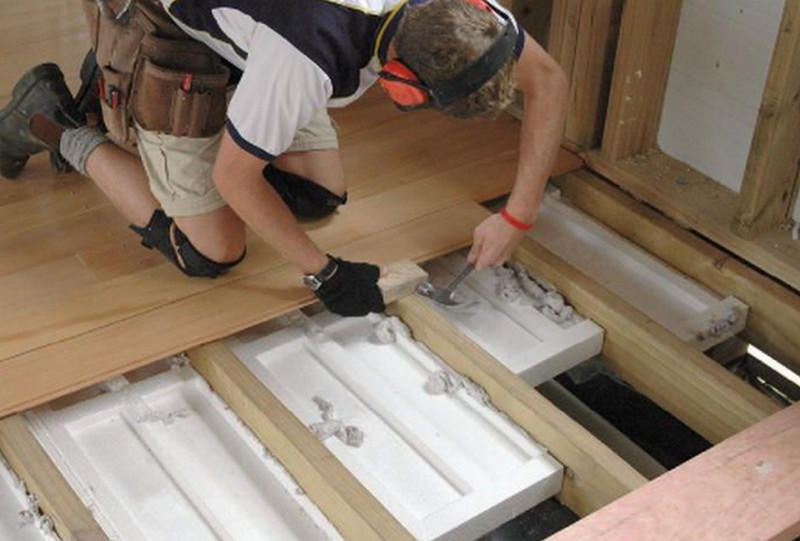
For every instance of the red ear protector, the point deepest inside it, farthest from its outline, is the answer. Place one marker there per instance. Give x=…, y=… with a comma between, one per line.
x=409, y=92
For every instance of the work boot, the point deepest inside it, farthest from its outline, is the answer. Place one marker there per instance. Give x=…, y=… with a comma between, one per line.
x=41, y=91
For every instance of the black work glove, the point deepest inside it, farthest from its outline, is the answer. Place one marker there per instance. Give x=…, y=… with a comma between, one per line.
x=352, y=290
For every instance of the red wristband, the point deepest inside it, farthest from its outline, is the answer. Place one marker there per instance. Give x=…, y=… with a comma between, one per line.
x=516, y=224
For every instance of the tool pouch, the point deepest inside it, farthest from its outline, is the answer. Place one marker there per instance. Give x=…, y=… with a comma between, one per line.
x=180, y=88
x=153, y=73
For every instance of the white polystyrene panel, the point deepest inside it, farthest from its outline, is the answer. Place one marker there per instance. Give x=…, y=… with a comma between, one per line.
x=516, y=334
x=447, y=466
x=660, y=292
x=164, y=459
x=18, y=522
x=716, y=83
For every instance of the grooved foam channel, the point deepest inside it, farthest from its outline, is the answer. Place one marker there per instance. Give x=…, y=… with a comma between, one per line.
x=163, y=459
x=446, y=465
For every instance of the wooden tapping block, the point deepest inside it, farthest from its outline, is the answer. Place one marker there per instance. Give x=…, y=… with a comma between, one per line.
x=344, y=501
x=743, y=488
x=71, y=519
x=400, y=279
x=595, y=475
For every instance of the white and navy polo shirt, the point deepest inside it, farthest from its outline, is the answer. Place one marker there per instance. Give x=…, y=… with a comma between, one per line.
x=297, y=56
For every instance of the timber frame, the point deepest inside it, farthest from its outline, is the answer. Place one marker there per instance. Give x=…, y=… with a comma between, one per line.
x=617, y=56
x=747, y=223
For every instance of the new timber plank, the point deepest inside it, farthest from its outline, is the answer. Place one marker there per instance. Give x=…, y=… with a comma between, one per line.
x=346, y=503
x=595, y=475
x=72, y=521
x=699, y=203
x=743, y=488
x=694, y=388
x=774, y=315
x=79, y=310
x=82, y=315
x=56, y=369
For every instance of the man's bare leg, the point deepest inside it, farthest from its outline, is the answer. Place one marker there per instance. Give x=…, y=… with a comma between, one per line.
x=122, y=179
x=219, y=235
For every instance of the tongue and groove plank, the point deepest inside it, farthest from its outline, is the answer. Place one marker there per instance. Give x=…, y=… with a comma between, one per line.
x=79, y=310
x=56, y=369
x=71, y=519
x=55, y=331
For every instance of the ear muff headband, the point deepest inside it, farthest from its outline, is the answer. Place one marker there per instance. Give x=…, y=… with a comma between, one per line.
x=476, y=74
x=409, y=92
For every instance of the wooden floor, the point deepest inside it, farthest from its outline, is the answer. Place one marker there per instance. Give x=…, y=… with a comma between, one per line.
x=80, y=301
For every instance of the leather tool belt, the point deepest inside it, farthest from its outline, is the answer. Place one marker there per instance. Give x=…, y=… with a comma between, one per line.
x=153, y=74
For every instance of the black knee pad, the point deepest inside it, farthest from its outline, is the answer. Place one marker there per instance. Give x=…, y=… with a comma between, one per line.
x=156, y=234
x=305, y=198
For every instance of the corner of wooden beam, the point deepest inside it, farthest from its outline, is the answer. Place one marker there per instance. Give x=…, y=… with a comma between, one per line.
x=595, y=475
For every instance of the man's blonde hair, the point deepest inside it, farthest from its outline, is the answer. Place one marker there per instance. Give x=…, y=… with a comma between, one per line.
x=438, y=39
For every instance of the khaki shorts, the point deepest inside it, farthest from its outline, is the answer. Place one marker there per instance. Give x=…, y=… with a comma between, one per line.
x=179, y=168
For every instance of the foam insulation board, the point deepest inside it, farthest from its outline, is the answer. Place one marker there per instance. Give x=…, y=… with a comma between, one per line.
x=692, y=313
x=424, y=441
x=716, y=83
x=536, y=341
x=20, y=519
x=165, y=459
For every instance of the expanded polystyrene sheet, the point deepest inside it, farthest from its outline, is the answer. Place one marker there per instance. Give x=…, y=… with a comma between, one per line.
x=691, y=312
x=511, y=329
x=447, y=466
x=164, y=459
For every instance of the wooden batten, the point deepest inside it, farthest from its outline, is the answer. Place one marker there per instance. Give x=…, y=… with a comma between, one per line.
x=644, y=53
x=744, y=488
x=71, y=519
x=774, y=315
x=339, y=495
x=771, y=179
x=583, y=39
x=595, y=475
x=705, y=396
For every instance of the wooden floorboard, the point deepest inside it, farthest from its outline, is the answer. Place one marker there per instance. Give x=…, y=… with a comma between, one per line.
x=81, y=301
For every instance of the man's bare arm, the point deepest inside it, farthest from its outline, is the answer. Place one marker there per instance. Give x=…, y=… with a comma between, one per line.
x=238, y=177
x=544, y=85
